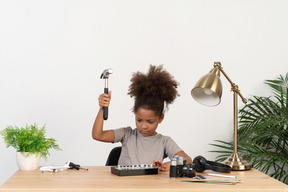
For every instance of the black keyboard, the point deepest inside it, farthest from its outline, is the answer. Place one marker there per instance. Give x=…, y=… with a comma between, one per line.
x=130, y=170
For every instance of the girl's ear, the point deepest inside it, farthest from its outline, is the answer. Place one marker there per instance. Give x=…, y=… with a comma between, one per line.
x=161, y=118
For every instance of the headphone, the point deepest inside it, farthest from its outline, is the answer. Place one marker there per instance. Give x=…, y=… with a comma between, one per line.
x=202, y=164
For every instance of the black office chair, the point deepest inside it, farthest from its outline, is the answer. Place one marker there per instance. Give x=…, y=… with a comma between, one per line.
x=113, y=156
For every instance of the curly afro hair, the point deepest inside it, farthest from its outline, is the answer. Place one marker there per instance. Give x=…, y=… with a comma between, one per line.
x=153, y=89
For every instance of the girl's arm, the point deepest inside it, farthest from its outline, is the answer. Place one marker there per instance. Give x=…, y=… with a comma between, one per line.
x=183, y=154
x=97, y=131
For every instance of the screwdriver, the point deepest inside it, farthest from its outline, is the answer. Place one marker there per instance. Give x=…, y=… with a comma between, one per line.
x=76, y=166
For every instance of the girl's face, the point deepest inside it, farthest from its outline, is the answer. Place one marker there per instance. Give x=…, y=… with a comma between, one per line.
x=147, y=121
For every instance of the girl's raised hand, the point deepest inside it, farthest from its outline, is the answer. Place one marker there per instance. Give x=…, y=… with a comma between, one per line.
x=104, y=99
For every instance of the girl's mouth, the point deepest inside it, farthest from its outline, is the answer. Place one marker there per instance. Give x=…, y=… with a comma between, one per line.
x=145, y=132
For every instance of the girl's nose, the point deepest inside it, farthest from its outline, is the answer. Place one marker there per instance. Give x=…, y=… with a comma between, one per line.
x=144, y=126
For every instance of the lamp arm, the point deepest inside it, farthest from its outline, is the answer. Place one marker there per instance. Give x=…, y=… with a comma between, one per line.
x=234, y=87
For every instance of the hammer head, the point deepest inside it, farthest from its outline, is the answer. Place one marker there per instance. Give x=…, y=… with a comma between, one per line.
x=105, y=74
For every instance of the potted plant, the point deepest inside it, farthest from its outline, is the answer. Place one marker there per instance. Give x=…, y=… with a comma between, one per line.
x=30, y=143
x=263, y=132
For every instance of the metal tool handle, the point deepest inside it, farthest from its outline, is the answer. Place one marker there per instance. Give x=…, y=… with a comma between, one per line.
x=105, y=109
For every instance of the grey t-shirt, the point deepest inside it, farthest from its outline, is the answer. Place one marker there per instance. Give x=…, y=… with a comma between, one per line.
x=137, y=149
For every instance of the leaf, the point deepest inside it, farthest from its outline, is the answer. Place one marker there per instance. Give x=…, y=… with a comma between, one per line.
x=29, y=139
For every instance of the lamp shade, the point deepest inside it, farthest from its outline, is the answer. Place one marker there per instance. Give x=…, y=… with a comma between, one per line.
x=208, y=90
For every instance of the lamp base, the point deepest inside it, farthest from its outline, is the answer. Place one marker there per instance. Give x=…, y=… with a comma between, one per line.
x=237, y=163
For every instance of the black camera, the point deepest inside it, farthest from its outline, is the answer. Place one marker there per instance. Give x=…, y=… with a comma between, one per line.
x=179, y=168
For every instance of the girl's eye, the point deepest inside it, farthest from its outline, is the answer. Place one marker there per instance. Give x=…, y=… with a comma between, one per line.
x=150, y=122
x=139, y=120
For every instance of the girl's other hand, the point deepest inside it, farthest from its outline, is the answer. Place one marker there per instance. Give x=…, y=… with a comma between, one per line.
x=161, y=166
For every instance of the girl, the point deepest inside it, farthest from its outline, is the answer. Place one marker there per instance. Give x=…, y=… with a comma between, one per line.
x=144, y=145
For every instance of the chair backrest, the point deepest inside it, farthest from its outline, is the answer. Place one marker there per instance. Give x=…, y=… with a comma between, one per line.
x=113, y=156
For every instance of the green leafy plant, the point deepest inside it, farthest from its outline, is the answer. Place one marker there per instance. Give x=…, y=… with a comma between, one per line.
x=29, y=139
x=263, y=132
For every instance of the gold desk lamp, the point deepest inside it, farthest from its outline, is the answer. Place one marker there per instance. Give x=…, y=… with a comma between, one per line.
x=208, y=91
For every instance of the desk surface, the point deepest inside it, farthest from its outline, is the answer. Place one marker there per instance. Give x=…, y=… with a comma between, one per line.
x=101, y=179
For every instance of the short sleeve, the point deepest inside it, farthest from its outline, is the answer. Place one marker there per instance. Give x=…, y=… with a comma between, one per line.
x=171, y=148
x=120, y=133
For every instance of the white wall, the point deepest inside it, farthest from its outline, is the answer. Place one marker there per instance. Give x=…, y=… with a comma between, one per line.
x=53, y=52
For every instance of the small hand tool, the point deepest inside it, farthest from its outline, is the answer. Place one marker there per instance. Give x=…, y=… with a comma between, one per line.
x=105, y=74
x=76, y=166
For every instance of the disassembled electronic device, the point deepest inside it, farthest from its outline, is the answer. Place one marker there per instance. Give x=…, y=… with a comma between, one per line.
x=130, y=170
x=179, y=168
x=55, y=168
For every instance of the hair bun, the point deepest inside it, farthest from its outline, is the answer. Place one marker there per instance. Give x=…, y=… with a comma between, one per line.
x=157, y=83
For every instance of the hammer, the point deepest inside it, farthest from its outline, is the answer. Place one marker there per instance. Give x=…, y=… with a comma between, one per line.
x=105, y=74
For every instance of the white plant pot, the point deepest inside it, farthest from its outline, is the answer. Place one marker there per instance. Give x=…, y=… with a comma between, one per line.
x=26, y=161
